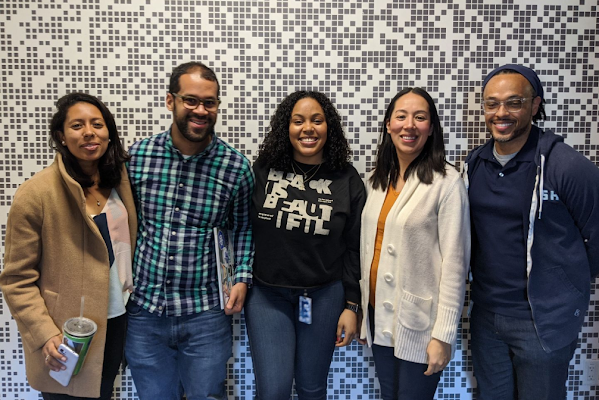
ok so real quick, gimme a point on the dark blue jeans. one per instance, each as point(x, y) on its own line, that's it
point(509, 362)
point(283, 348)
point(172, 355)
point(401, 379)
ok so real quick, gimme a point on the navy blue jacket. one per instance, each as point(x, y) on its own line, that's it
point(562, 254)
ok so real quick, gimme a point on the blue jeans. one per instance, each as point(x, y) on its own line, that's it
point(401, 379)
point(509, 362)
point(169, 356)
point(283, 348)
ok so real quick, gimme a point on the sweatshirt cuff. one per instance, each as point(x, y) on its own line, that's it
point(352, 294)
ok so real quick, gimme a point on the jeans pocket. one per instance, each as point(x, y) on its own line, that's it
point(134, 309)
point(415, 312)
point(215, 310)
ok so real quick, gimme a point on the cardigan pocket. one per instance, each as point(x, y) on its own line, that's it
point(415, 312)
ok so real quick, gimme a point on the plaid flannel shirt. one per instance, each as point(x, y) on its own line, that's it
point(179, 200)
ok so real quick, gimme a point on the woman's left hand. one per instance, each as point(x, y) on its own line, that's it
point(348, 323)
point(439, 354)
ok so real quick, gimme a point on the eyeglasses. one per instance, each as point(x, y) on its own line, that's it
point(191, 102)
point(511, 105)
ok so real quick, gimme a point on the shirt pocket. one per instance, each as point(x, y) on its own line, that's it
point(415, 312)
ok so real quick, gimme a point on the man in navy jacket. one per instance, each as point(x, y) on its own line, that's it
point(534, 204)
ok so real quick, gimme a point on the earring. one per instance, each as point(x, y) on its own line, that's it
point(63, 143)
point(109, 140)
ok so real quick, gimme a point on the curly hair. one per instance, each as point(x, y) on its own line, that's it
point(110, 164)
point(431, 158)
point(276, 150)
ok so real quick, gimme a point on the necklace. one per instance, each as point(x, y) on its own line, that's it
point(305, 173)
point(97, 201)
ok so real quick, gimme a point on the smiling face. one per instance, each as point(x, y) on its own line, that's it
point(409, 127)
point(308, 131)
point(85, 135)
point(192, 129)
point(510, 129)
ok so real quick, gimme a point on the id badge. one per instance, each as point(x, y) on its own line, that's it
point(305, 310)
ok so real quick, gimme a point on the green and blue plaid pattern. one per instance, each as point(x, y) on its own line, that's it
point(179, 200)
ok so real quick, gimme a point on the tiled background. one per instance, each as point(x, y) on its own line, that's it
point(358, 52)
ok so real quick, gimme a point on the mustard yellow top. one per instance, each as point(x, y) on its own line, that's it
point(378, 243)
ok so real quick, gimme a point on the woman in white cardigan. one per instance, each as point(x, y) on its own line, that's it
point(415, 251)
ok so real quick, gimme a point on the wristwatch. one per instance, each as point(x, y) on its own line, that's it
point(354, 307)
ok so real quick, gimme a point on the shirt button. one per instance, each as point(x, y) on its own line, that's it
point(388, 305)
point(181, 185)
point(387, 334)
point(174, 233)
point(168, 281)
point(391, 249)
point(160, 308)
point(177, 209)
point(501, 174)
point(171, 258)
point(388, 277)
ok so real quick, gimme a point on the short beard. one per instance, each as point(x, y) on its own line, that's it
point(504, 140)
point(184, 130)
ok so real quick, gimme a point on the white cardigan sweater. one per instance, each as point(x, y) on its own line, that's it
point(422, 271)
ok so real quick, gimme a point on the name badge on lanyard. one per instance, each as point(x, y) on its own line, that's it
point(305, 309)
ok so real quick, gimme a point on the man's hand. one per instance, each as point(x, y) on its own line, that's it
point(235, 304)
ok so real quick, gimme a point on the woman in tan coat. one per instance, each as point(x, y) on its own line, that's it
point(70, 233)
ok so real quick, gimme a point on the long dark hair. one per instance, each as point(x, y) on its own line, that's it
point(276, 150)
point(110, 164)
point(431, 158)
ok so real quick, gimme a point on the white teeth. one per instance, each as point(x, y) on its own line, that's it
point(308, 140)
point(409, 137)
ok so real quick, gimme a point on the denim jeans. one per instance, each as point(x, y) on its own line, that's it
point(113, 357)
point(283, 348)
point(401, 379)
point(169, 356)
point(509, 362)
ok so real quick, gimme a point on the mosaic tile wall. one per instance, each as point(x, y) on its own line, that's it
point(358, 52)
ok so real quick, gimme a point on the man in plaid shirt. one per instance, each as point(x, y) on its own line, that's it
point(186, 181)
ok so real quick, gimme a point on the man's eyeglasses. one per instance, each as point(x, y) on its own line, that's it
point(191, 102)
point(511, 105)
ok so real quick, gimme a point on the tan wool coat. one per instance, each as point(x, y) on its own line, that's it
point(55, 254)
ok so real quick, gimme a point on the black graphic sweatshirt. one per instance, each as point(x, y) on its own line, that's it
point(308, 235)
